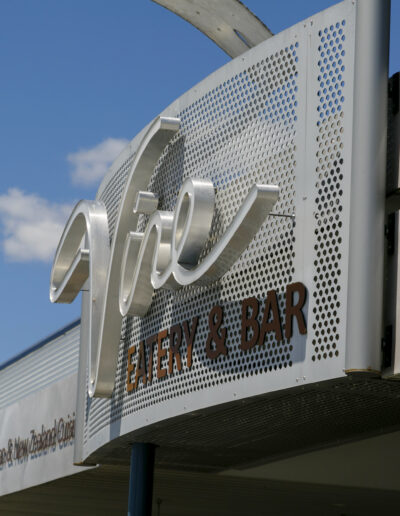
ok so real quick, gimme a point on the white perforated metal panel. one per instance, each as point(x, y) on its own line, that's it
point(331, 181)
point(280, 114)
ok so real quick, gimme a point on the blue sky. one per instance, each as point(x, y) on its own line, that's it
point(78, 79)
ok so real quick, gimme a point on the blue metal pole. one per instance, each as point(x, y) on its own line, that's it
point(141, 479)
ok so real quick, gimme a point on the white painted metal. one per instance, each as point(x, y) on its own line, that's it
point(37, 370)
point(365, 278)
point(36, 419)
point(36, 390)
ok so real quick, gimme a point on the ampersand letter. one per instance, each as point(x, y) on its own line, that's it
point(215, 320)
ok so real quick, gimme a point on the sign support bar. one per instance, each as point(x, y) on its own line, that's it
point(141, 479)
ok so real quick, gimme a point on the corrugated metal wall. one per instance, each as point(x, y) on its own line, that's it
point(46, 364)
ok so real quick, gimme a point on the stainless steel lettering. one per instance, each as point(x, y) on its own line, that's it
point(124, 275)
point(167, 253)
point(83, 251)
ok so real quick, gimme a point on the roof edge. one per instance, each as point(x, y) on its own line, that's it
point(40, 344)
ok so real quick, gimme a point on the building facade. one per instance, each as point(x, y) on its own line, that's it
point(232, 270)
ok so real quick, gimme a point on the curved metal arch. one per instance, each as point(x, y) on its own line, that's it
point(229, 23)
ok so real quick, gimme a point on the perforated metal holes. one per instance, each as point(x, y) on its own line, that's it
point(329, 186)
point(241, 132)
point(111, 196)
point(277, 116)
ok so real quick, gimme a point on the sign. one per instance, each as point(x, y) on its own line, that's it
point(37, 437)
point(252, 333)
point(165, 255)
point(19, 449)
point(235, 245)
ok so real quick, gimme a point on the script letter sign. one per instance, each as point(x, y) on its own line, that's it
point(123, 276)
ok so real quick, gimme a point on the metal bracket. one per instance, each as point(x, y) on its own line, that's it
point(282, 215)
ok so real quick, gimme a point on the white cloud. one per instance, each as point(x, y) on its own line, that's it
point(32, 226)
point(90, 165)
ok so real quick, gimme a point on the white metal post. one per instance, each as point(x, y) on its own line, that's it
point(368, 186)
